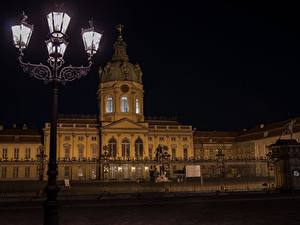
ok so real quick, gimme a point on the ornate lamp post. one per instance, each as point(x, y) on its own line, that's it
point(56, 74)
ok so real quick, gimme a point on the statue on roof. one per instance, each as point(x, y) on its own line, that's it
point(288, 129)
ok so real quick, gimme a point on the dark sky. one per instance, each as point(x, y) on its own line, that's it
point(217, 65)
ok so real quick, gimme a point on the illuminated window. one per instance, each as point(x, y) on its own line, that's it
point(3, 172)
point(94, 151)
point(109, 104)
point(67, 138)
point(27, 171)
point(27, 153)
point(80, 151)
point(112, 147)
point(150, 149)
point(16, 153)
point(125, 148)
point(67, 151)
point(185, 153)
point(67, 171)
point(124, 104)
point(139, 150)
point(80, 138)
point(137, 106)
point(4, 153)
point(15, 172)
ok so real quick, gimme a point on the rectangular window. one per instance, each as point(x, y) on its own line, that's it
point(174, 153)
point(67, 152)
point(4, 153)
point(27, 153)
point(3, 172)
point(27, 171)
point(150, 138)
point(94, 152)
point(67, 138)
point(16, 153)
point(80, 152)
point(15, 172)
point(184, 138)
point(80, 138)
point(94, 138)
point(161, 138)
point(185, 154)
point(173, 138)
point(67, 171)
point(150, 151)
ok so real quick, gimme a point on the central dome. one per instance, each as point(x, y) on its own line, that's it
point(121, 71)
point(119, 68)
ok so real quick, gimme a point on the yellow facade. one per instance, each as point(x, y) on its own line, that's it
point(120, 142)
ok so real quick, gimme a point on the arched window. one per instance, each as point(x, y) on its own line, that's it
point(112, 147)
point(109, 104)
point(125, 148)
point(139, 148)
point(137, 106)
point(124, 104)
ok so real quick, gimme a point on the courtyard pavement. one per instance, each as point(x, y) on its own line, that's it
point(243, 209)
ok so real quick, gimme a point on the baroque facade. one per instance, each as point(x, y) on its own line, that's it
point(120, 143)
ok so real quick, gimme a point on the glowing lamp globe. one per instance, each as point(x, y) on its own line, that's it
point(58, 23)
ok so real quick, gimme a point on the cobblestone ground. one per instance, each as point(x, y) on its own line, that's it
point(260, 211)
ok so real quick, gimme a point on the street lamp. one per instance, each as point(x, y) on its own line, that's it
point(55, 74)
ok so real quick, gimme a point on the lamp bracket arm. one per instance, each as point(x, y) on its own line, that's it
point(38, 71)
point(70, 73)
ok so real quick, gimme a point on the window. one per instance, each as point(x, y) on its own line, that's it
point(137, 106)
point(67, 138)
point(3, 172)
point(94, 151)
point(150, 138)
point(161, 138)
point(80, 138)
point(139, 148)
point(15, 172)
point(125, 148)
point(4, 153)
point(173, 152)
point(109, 104)
point(184, 138)
point(16, 153)
point(173, 138)
point(150, 149)
point(27, 171)
point(185, 153)
point(67, 171)
point(124, 104)
point(112, 147)
point(67, 151)
point(80, 151)
point(27, 153)
point(94, 138)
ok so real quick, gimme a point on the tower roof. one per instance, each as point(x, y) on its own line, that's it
point(119, 68)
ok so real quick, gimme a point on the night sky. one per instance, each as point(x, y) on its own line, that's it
point(217, 65)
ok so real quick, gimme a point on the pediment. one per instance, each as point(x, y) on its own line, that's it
point(125, 124)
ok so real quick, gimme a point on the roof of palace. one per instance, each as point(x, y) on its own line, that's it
point(20, 135)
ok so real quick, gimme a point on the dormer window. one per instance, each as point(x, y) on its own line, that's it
point(137, 106)
point(109, 104)
point(124, 104)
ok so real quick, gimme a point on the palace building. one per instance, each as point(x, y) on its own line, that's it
point(120, 143)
